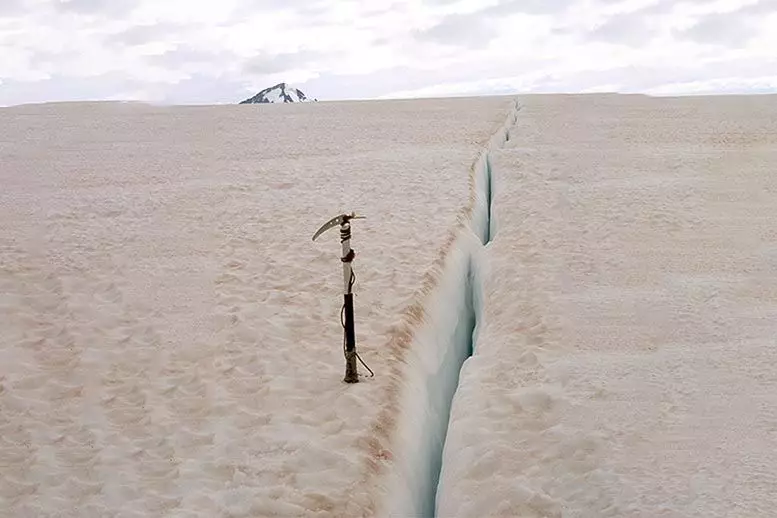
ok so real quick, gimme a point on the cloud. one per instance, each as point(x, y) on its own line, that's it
point(628, 29)
point(142, 34)
point(10, 7)
point(667, 79)
point(64, 88)
point(180, 51)
point(469, 30)
point(763, 7)
point(202, 89)
point(180, 56)
point(730, 29)
point(272, 64)
point(536, 7)
point(96, 7)
point(477, 29)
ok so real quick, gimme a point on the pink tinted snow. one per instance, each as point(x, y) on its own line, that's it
point(626, 364)
point(170, 342)
point(170, 337)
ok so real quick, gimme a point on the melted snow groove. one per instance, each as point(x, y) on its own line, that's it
point(464, 339)
point(443, 385)
point(462, 346)
point(440, 349)
point(489, 188)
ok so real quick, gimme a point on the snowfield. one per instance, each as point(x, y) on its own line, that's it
point(170, 339)
point(603, 266)
point(625, 359)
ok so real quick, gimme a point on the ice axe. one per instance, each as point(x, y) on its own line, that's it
point(344, 221)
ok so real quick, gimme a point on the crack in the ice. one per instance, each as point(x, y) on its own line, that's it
point(489, 180)
point(449, 339)
point(461, 349)
point(466, 330)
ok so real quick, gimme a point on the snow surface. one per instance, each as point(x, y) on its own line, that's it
point(625, 357)
point(293, 92)
point(170, 341)
point(275, 95)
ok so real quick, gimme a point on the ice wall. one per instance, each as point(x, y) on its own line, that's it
point(439, 349)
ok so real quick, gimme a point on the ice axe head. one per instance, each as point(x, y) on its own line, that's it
point(337, 220)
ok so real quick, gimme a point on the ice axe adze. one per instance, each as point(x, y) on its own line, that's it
point(351, 375)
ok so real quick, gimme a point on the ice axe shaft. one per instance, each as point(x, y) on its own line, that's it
point(351, 374)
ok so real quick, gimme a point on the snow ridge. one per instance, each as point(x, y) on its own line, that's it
point(443, 341)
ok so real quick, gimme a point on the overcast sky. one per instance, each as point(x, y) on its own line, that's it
point(216, 51)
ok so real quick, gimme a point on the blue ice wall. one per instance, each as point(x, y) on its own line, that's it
point(440, 347)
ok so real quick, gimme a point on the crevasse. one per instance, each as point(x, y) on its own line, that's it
point(440, 348)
